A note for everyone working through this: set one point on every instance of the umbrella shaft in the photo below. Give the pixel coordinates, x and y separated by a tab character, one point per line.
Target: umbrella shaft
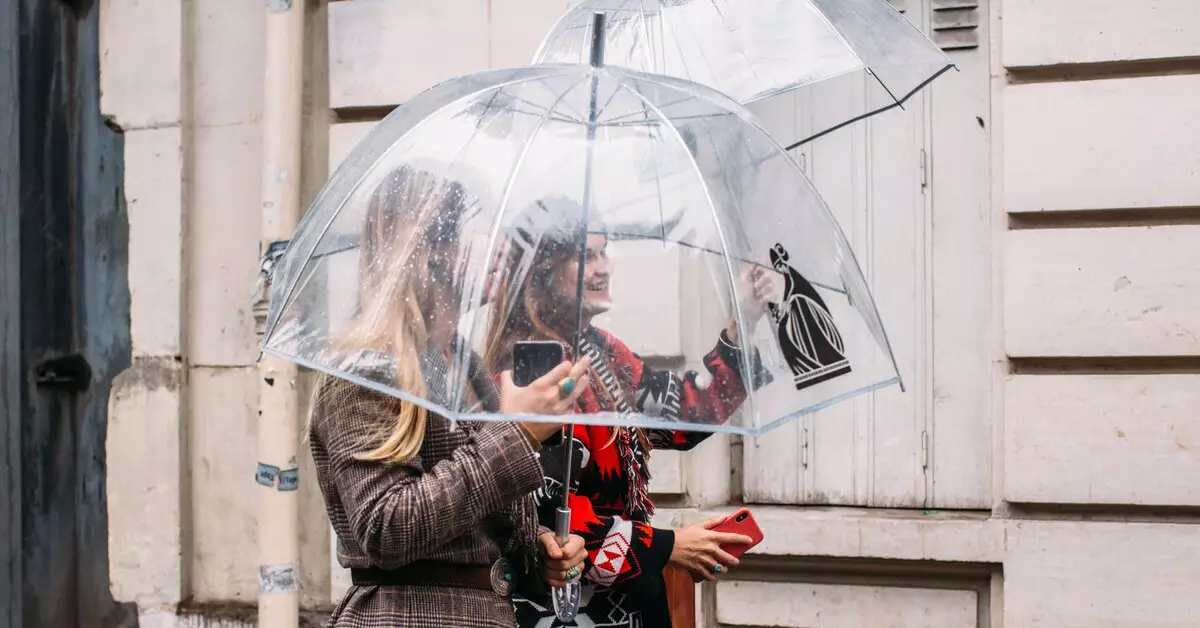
593	114
597	43
562	524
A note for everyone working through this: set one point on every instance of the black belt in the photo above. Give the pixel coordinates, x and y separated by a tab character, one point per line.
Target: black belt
497	577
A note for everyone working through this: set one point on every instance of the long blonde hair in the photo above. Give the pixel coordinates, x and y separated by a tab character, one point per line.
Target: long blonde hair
409	241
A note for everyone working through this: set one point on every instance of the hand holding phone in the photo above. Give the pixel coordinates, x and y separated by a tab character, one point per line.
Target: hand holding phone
544	394
534	358
740	522
709	549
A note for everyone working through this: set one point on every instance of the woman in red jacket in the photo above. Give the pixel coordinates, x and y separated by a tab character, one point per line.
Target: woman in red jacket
609	498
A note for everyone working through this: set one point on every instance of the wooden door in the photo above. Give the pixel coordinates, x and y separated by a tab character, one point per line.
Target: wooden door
681	596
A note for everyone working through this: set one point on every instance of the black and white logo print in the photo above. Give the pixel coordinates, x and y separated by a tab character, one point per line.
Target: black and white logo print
661	395
808	337
552	469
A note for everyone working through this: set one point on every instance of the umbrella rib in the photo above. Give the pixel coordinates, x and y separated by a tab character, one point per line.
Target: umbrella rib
499	218
542	47
733	279
662	218
618	235
820	13
753	122
873	112
741	49
650	60
350	159
605	106
887	89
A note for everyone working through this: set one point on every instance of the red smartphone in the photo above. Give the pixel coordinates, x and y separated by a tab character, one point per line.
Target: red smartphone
740	522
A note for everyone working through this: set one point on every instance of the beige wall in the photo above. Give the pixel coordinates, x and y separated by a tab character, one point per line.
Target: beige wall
1030	227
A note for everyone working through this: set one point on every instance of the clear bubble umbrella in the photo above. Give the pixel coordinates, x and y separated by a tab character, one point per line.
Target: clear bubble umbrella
457	227
864	53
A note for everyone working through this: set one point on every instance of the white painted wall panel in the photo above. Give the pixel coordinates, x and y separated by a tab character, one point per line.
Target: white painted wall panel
518	26
223	262
383	52
1037	32
804	605
666	471
865	451
646	306
1103	439
227	63
1103	292
140	90
225	545
154	192
1110	144
343	138
911	190
960	270
1101	575
146	469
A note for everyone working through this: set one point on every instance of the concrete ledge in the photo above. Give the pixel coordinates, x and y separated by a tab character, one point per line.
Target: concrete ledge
807	605
865	533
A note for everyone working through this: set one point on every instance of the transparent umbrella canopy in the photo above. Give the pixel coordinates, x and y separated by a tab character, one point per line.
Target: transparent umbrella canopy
446	214
862	53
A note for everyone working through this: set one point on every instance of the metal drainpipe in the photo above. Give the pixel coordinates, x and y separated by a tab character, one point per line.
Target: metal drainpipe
278	421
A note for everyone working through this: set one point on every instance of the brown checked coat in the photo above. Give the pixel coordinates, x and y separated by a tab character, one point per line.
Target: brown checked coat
466	498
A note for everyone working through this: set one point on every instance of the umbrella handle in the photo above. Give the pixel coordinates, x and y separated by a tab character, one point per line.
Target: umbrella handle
566	599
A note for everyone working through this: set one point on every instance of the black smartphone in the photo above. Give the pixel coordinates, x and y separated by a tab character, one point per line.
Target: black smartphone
534	358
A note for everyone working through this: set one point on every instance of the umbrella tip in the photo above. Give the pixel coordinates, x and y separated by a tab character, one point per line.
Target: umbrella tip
597	43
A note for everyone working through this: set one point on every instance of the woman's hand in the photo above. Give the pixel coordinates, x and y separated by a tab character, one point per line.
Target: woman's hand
558	560
755	290
544	396
697	549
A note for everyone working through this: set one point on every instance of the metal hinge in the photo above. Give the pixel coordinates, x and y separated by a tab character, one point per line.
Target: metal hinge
925	450
804	447
70	373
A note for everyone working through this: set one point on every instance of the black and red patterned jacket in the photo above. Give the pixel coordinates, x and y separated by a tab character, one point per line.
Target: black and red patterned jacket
624	551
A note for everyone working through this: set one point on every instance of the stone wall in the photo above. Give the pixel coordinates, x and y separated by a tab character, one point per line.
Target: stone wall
1039	473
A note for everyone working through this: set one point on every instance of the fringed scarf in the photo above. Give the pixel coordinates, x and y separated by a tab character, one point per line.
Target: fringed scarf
632	443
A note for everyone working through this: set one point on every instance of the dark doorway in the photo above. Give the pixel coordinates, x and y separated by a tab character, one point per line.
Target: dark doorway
64	315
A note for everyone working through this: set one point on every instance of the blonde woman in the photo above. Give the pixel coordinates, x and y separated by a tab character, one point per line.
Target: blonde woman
437	526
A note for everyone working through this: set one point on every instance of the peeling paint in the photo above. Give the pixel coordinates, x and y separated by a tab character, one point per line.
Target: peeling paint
148	374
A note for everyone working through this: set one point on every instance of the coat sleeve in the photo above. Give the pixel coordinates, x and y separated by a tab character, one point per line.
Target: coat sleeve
626	554
398	512
665	393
